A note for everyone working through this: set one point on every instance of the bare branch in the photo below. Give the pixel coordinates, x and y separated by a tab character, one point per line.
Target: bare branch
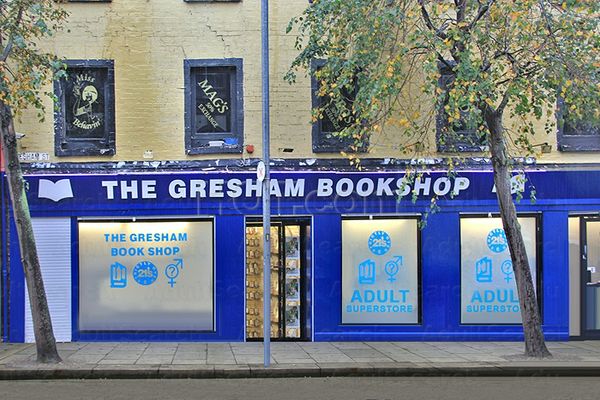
9	45
427	19
461	10
482	10
6	51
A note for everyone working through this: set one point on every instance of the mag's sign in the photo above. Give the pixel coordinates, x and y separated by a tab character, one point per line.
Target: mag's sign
488	289
380	271
145	276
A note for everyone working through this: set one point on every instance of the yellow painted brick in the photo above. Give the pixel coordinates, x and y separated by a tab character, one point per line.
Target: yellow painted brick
148	41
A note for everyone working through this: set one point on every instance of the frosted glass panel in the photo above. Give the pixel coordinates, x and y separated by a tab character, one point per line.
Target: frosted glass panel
380	271
146	276
488	289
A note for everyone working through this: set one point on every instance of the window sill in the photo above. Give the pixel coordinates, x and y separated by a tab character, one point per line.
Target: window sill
85	152
458	148
215	150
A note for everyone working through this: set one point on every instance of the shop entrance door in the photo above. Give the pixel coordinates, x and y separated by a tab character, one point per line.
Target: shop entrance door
590	273
289	283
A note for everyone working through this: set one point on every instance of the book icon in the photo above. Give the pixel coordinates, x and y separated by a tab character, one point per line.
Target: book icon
366	272
118	275
55	191
483	270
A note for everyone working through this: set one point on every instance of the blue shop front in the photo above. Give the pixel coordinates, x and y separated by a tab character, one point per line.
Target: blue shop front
177	256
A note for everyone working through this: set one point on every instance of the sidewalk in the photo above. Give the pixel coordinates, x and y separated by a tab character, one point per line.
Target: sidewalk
296	359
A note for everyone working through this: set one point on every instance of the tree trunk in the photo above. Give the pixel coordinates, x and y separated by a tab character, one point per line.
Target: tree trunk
42	325
535	345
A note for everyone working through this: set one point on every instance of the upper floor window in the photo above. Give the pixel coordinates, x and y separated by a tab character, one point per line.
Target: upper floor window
213	106
460	135
576	135
85	116
336	116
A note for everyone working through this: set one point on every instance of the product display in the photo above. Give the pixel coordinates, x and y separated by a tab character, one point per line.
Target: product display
285	282
254	282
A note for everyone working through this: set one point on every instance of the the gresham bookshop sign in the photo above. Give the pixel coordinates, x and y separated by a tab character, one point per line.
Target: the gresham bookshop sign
72	190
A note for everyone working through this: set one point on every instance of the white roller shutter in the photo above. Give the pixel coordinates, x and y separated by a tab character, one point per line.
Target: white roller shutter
53	240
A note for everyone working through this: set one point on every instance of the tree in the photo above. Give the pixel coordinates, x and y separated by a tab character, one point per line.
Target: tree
493	68
24	73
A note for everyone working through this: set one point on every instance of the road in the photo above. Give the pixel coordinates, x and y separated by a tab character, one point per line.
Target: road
392	388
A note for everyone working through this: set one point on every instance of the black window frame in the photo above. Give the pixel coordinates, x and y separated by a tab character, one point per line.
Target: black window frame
68	147
569	142
441	123
197	143
324	141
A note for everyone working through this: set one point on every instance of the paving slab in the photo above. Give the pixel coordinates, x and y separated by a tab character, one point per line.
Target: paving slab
362	353
85	358
178	361
331	358
155	359
293	360
190	355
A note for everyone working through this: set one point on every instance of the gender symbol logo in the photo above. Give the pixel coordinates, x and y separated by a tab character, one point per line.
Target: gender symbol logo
379	243
496	240
507	270
392	267
145	273
172	270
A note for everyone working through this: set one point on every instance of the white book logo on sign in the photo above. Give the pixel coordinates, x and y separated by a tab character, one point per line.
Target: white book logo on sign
55	191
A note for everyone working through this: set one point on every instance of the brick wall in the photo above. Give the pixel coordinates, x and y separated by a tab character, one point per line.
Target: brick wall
148	41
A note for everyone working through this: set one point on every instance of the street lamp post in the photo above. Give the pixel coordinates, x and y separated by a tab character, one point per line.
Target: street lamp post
266	197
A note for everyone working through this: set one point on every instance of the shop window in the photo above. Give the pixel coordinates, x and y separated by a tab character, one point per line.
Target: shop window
576	135
380	271
146	275
213	106
458	136
85	116
336	117
488	290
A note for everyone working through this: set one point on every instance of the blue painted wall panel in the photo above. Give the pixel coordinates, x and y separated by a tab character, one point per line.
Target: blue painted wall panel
555	258
440	254
4	257
440	257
